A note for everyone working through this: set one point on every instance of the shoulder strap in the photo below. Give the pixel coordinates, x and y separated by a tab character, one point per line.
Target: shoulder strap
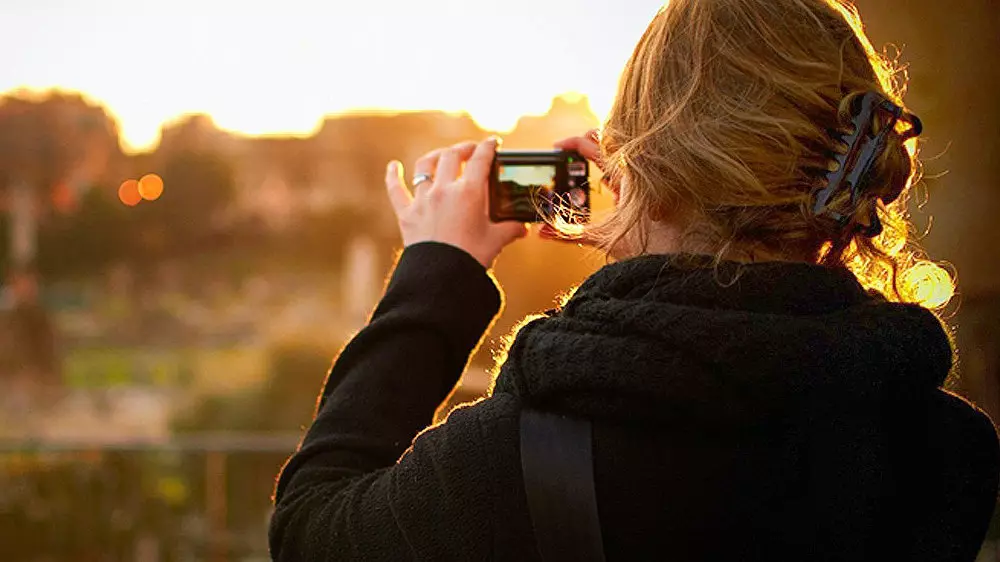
558	467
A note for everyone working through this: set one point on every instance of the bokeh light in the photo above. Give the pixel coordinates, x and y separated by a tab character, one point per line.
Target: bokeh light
63	198
150	187
928	284
128	193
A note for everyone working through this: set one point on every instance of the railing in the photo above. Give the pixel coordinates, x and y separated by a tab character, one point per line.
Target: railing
195	498
199	498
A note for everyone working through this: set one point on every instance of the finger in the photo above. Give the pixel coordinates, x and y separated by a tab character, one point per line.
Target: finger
593	135
586	146
510	231
426	165
450	163
477	169
399	194
548	232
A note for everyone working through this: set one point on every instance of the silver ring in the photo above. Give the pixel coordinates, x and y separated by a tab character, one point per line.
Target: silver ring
421	178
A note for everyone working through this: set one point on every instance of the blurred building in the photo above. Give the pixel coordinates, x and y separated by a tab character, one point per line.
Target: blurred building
568	116
279	179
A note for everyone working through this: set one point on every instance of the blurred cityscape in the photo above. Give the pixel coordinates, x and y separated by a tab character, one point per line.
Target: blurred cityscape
167	311
246	246
167	317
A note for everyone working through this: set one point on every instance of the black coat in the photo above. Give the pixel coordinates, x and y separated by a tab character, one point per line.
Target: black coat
788	415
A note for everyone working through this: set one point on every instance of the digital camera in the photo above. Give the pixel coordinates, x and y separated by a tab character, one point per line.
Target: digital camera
534	186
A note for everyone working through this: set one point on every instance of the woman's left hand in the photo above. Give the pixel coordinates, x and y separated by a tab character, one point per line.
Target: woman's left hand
452	207
587	145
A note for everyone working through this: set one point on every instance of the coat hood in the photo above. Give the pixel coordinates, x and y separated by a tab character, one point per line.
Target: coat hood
673	338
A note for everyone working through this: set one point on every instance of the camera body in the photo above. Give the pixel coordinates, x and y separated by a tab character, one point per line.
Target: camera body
538	185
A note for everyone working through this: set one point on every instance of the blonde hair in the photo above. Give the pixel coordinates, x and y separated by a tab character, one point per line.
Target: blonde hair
723	124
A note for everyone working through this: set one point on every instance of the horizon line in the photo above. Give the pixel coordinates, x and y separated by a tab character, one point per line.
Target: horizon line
38	94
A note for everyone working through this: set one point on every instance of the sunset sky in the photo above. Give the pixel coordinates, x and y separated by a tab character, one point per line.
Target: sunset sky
277	67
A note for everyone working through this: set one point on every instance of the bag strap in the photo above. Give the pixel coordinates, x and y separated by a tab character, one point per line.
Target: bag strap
558	467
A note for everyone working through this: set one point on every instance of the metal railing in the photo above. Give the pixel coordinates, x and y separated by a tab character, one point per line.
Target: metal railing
196	498
203	497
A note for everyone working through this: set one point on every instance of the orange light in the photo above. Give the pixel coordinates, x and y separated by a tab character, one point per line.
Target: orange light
63	198
150	187
128	193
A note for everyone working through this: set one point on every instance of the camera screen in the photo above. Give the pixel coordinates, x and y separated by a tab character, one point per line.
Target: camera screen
523	189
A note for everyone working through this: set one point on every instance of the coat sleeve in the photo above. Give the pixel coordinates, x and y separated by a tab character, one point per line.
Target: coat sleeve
350	492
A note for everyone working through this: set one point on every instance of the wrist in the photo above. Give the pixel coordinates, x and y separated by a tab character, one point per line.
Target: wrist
484	256
446	275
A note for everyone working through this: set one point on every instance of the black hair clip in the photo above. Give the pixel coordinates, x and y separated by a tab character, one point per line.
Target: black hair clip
864	147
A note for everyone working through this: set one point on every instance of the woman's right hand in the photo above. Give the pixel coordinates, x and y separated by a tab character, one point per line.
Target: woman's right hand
588	146
451	206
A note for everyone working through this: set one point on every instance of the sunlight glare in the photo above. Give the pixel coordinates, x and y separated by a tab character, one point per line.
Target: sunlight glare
928	284
281	72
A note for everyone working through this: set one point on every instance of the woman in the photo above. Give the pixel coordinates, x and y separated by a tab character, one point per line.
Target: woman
757	384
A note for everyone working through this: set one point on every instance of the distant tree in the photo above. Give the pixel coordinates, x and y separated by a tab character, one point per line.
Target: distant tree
322	239
55	142
198	186
100	232
4	243
285	402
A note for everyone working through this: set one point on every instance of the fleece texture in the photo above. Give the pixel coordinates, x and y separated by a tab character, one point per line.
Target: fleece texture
772	411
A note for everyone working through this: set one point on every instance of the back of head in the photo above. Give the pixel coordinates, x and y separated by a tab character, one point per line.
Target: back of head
725	124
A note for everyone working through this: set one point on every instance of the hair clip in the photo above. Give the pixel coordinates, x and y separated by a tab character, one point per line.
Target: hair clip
863	149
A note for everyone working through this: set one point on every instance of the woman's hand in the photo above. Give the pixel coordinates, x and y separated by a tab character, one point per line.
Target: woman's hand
588	146
452	208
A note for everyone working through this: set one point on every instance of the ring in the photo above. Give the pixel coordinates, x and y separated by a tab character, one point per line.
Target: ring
421	178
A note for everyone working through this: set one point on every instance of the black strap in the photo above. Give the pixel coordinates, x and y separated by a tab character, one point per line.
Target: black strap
558	467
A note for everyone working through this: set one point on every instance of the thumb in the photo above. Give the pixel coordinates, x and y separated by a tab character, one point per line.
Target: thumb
510	231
